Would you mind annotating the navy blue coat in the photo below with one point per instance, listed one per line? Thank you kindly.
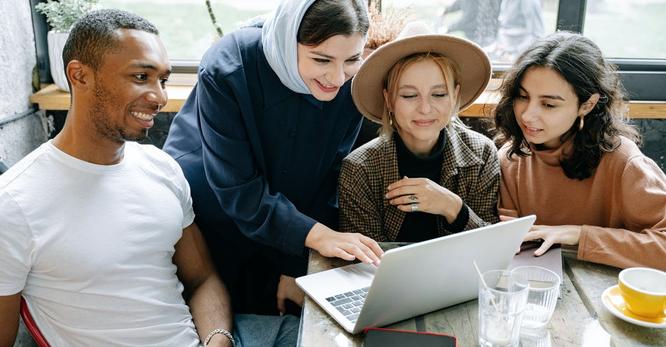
(262, 160)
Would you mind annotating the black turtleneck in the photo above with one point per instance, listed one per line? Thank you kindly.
(420, 226)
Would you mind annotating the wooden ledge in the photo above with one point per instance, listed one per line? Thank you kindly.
(51, 98)
(54, 99)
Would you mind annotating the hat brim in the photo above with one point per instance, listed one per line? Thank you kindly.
(471, 60)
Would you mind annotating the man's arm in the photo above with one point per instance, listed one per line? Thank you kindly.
(204, 291)
(9, 319)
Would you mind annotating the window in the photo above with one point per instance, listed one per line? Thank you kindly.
(185, 26)
(503, 28)
(627, 28)
(630, 30)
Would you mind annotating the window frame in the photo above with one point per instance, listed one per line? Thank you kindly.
(642, 78)
(40, 29)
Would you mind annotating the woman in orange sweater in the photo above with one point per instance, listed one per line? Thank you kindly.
(569, 158)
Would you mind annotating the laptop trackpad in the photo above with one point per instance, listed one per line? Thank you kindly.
(338, 280)
(362, 270)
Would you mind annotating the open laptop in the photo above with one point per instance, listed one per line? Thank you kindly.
(414, 279)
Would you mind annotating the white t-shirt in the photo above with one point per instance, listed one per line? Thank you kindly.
(91, 246)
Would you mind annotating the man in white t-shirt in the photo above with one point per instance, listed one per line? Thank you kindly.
(96, 231)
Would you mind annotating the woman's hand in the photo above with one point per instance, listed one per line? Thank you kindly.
(562, 234)
(288, 289)
(424, 195)
(347, 246)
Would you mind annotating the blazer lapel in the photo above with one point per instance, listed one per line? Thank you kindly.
(393, 217)
(456, 155)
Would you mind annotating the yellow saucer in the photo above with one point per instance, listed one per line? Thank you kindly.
(614, 302)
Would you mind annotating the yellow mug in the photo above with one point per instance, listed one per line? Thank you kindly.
(644, 291)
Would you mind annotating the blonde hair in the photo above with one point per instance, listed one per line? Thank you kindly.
(449, 71)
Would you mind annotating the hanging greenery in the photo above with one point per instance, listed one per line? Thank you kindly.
(217, 27)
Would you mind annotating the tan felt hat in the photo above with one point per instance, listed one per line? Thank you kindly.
(471, 60)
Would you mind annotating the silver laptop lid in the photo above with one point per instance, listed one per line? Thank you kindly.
(433, 274)
(421, 277)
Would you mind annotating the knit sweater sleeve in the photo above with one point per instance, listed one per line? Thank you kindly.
(642, 204)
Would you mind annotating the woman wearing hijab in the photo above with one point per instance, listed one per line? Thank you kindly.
(260, 140)
(426, 175)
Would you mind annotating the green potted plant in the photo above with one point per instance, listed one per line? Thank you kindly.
(61, 15)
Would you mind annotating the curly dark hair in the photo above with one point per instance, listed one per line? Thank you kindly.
(580, 62)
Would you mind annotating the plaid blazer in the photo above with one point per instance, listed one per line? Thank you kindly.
(470, 169)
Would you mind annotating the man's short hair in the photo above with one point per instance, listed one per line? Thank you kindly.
(94, 34)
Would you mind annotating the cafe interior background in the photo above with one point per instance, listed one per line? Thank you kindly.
(632, 33)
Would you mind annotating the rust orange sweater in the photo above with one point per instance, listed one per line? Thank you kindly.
(621, 208)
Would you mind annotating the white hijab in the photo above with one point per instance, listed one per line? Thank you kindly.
(279, 38)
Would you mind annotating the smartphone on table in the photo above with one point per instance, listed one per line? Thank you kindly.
(375, 337)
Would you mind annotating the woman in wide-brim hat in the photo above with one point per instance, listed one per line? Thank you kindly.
(426, 175)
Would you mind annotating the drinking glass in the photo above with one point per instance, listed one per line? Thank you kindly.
(543, 293)
(502, 300)
(535, 338)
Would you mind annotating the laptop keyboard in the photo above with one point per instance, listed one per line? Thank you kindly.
(349, 303)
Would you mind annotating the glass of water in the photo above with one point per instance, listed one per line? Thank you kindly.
(502, 300)
(543, 293)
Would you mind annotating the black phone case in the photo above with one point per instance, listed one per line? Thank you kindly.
(376, 337)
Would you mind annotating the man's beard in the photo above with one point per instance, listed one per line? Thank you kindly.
(100, 115)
